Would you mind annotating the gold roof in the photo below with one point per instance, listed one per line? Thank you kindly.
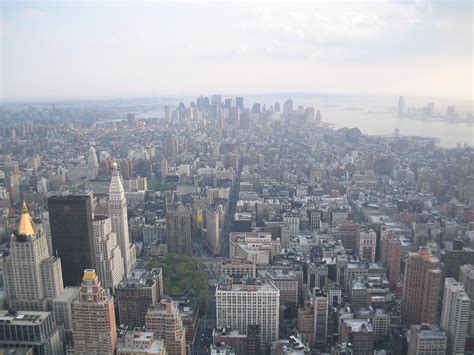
(89, 274)
(26, 226)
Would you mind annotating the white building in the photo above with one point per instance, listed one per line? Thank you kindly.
(109, 263)
(455, 315)
(119, 217)
(241, 305)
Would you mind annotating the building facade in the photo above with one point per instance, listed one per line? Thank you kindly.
(455, 315)
(72, 235)
(239, 306)
(421, 288)
(94, 329)
(164, 320)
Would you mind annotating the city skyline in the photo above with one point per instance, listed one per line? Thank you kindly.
(96, 50)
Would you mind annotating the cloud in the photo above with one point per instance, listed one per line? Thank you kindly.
(34, 14)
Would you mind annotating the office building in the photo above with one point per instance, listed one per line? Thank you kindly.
(239, 102)
(119, 217)
(108, 257)
(165, 321)
(238, 267)
(136, 293)
(452, 260)
(427, 339)
(455, 315)
(32, 277)
(213, 229)
(401, 107)
(466, 277)
(390, 256)
(72, 236)
(178, 231)
(287, 283)
(366, 245)
(137, 342)
(94, 330)
(30, 329)
(62, 309)
(239, 306)
(360, 334)
(421, 288)
(320, 307)
(88, 170)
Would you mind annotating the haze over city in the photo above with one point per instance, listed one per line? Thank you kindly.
(77, 50)
(236, 178)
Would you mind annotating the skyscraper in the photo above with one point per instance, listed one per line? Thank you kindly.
(178, 231)
(421, 288)
(320, 306)
(165, 321)
(390, 255)
(467, 279)
(72, 235)
(94, 318)
(240, 306)
(136, 293)
(119, 217)
(108, 257)
(455, 315)
(213, 231)
(32, 276)
(401, 106)
(239, 102)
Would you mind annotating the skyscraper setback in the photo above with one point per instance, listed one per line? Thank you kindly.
(72, 234)
(32, 276)
(94, 318)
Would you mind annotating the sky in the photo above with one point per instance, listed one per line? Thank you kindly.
(106, 49)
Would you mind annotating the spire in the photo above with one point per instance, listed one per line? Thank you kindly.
(26, 226)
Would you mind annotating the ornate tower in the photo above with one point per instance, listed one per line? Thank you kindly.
(119, 218)
(32, 276)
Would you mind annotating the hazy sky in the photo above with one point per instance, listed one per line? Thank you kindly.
(115, 49)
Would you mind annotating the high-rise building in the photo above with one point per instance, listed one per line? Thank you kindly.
(165, 321)
(108, 257)
(421, 288)
(178, 231)
(213, 229)
(32, 276)
(72, 235)
(401, 106)
(131, 119)
(239, 102)
(288, 106)
(119, 217)
(170, 147)
(239, 306)
(320, 306)
(30, 329)
(391, 254)
(466, 277)
(427, 339)
(94, 329)
(136, 293)
(455, 315)
(452, 260)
